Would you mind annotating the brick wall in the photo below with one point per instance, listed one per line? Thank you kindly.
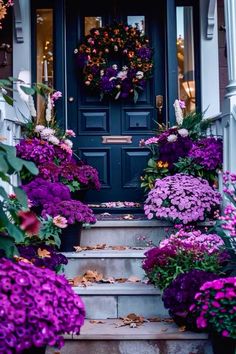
(222, 50)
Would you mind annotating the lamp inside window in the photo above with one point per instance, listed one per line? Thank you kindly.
(185, 57)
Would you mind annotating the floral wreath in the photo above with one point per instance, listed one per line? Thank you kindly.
(121, 43)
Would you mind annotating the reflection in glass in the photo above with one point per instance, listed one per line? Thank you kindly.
(44, 52)
(137, 21)
(91, 22)
(185, 56)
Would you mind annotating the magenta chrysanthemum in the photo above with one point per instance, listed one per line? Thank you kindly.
(181, 198)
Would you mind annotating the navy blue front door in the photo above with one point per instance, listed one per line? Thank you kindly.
(99, 124)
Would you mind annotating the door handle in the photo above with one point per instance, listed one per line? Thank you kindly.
(71, 99)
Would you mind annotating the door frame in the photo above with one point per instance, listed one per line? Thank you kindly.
(60, 64)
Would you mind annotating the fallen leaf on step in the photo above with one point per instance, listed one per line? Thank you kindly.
(43, 253)
(109, 280)
(119, 248)
(121, 280)
(88, 278)
(133, 279)
(132, 320)
(78, 249)
(128, 217)
(164, 329)
(96, 322)
(105, 214)
(155, 319)
(182, 329)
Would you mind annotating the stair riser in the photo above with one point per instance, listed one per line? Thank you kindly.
(126, 236)
(135, 346)
(103, 307)
(109, 267)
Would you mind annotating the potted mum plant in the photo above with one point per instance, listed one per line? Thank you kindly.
(38, 307)
(215, 306)
(76, 214)
(181, 198)
(182, 252)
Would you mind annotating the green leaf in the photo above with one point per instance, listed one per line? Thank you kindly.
(7, 245)
(14, 232)
(3, 164)
(31, 167)
(8, 99)
(16, 163)
(27, 90)
(135, 96)
(3, 193)
(5, 82)
(21, 196)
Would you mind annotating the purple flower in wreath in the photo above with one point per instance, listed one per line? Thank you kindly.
(107, 85)
(145, 53)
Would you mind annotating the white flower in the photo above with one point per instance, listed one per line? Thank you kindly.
(68, 143)
(122, 75)
(31, 106)
(53, 140)
(46, 133)
(139, 75)
(172, 138)
(115, 67)
(38, 128)
(116, 48)
(178, 113)
(101, 73)
(125, 68)
(49, 109)
(183, 132)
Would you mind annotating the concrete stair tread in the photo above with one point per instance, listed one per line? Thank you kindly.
(108, 253)
(148, 331)
(126, 288)
(139, 223)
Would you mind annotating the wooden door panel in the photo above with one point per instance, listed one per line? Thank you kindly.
(119, 165)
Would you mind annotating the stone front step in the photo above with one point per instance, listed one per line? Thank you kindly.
(124, 232)
(150, 338)
(104, 301)
(111, 263)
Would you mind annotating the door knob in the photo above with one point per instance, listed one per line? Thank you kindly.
(71, 99)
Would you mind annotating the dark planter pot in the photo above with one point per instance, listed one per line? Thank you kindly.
(34, 350)
(222, 345)
(79, 195)
(70, 237)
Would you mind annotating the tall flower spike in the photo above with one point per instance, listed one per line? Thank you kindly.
(49, 110)
(178, 113)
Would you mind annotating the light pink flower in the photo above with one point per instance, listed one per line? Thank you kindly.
(70, 132)
(60, 221)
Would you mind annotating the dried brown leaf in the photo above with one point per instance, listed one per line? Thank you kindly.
(96, 322)
(133, 279)
(119, 248)
(128, 217)
(182, 329)
(43, 253)
(121, 280)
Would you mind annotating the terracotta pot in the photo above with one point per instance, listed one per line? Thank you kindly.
(70, 237)
(222, 345)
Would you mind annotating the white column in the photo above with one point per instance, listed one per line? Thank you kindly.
(229, 111)
(230, 24)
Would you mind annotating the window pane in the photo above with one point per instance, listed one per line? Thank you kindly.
(91, 22)
(137, 21)
(44, 37)
(185, 56)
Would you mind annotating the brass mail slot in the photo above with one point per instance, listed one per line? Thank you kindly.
(117, 139)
